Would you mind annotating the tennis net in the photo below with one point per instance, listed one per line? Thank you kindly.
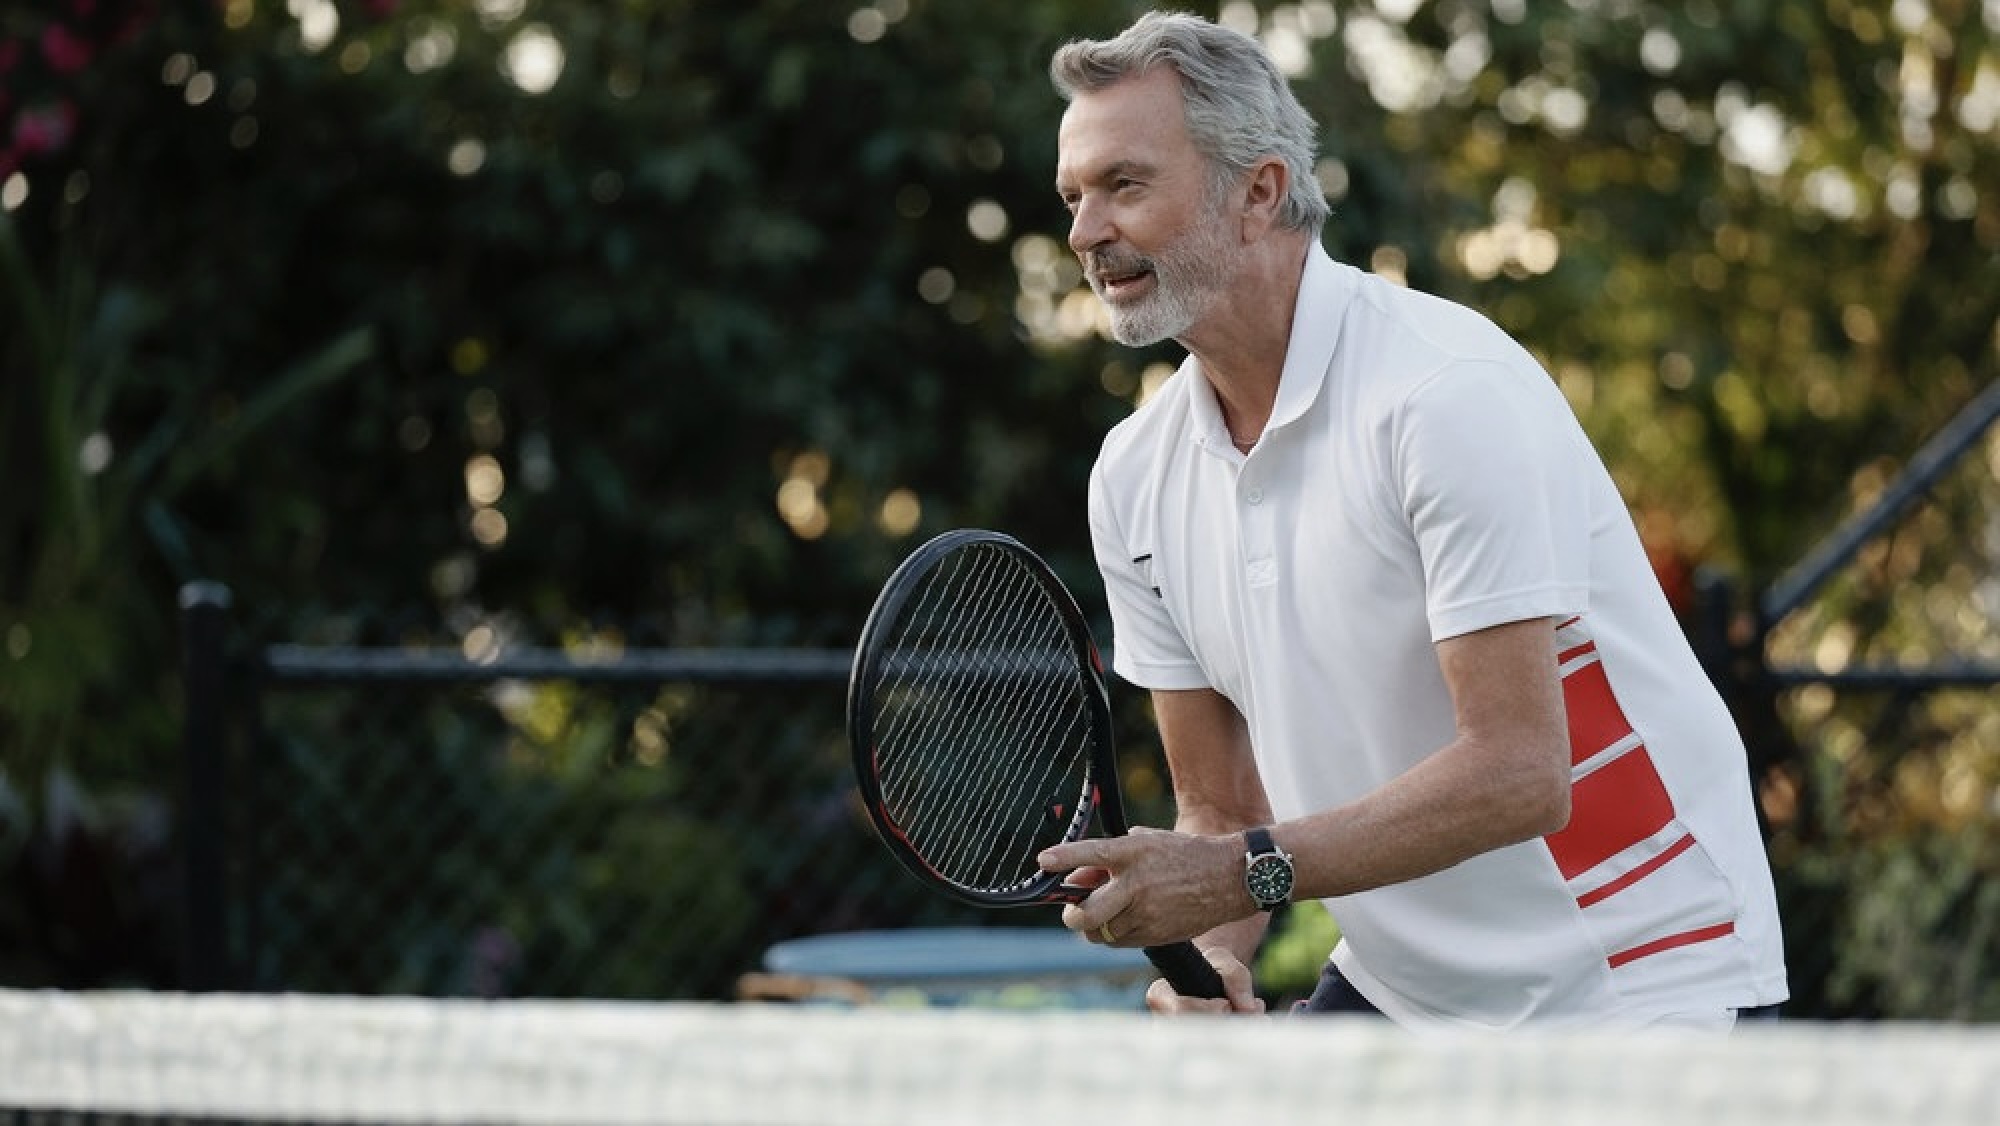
(138, 1057)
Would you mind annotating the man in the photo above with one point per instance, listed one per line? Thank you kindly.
(1405, 651)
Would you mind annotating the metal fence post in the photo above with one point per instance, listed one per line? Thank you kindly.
(1739, 670)
(1714, 608)
(204, 610)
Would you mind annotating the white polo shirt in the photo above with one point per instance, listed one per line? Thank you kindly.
(1421, 477)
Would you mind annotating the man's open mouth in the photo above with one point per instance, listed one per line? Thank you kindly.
(1113, 284)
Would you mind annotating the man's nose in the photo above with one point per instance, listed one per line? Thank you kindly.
(1089, 228)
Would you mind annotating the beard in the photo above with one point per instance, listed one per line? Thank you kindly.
(1189, 275)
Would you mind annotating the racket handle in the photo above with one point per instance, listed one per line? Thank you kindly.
(1186, 970)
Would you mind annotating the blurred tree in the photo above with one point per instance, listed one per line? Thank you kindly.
(679, 323)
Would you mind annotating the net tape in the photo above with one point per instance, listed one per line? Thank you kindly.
(309, 1058)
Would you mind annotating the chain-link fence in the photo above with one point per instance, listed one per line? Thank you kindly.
(551, 838)
(642, 826)
(588, 834)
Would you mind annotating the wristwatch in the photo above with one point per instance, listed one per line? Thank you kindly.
(1267, 870)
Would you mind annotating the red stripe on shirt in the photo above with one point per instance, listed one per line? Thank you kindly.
(1595, 719)
(1610, 810)
(1567, 655)
(1600, 894)
(1685, 938)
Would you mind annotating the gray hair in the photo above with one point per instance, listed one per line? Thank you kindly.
(1238, 106)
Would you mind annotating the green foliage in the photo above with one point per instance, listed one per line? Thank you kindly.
(1289, 962)
(688, 345)
(1927, 938)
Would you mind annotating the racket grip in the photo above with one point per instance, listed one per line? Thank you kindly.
(1186, 970)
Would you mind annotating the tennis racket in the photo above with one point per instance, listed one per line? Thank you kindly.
(981, 729)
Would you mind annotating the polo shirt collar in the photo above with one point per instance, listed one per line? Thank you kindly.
(1324, 290)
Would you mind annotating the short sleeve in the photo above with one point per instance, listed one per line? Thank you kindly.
(1494, 473)
(1147, 648)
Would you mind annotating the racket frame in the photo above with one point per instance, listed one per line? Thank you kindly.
(1184, 966)
(1099, 798)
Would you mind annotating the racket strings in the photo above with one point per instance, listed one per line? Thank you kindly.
(984, 734)
(955, 700)
(1000, 690)
(1029, 688)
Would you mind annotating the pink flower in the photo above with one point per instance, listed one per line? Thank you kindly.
(66, 52)
(44, 129)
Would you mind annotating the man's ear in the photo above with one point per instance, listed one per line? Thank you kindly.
(1264, 196)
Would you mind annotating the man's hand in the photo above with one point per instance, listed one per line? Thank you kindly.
(1239, 987)
(1151, 887)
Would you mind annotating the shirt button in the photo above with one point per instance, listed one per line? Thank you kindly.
(1254, 496)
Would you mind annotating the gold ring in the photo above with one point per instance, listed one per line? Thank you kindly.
(1105, 933)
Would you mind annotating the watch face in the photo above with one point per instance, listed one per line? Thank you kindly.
(1269, 879)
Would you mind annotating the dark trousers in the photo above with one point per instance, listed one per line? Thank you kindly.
(1335, 994)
